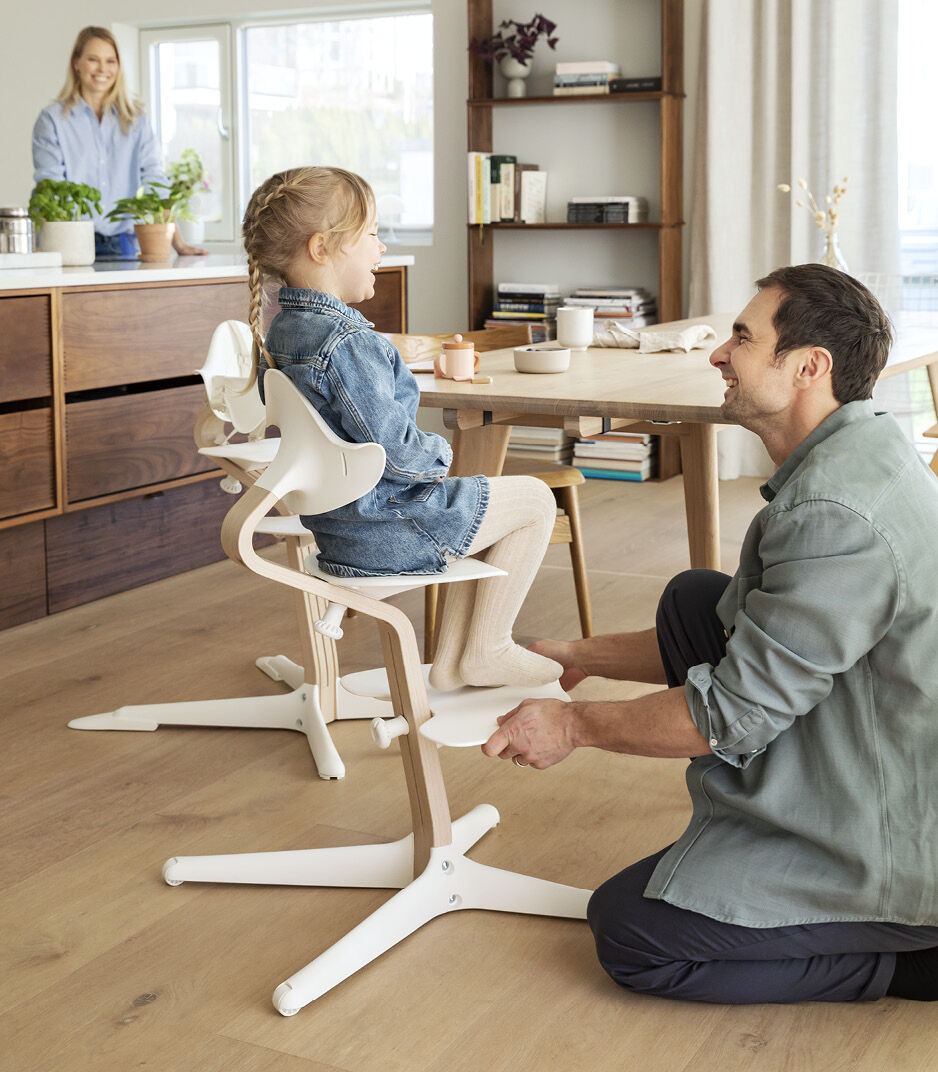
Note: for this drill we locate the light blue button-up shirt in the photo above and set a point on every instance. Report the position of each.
(820, 800)
(73, 145)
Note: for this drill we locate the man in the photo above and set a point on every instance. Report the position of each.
(805, 688)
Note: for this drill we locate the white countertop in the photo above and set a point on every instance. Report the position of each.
(214, 266)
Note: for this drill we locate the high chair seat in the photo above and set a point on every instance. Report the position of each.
(428, 866)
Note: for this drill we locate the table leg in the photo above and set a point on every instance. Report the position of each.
(701, 494)
(479, 450)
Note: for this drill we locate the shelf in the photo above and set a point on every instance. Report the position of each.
(575, 226)
(486, 102)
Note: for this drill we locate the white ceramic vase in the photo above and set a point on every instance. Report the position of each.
(192, 231)
(73, 239)
(516, 72)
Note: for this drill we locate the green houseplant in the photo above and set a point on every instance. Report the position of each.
(153, 210)
(62, 214)
(512, 47)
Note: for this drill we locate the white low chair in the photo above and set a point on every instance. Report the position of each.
(317, 696)
(315, 471)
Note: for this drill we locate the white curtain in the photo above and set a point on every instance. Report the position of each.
(789, 89)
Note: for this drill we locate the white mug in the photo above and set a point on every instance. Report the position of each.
(575, 326)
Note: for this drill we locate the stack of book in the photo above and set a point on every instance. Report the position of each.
(543, 445)
(535, 304)
(635, 305)
(583, 78)
(609, 208)
(649, 84)
(501, 190)
(617, 456)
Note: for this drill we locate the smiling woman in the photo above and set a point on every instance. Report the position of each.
(95, 133)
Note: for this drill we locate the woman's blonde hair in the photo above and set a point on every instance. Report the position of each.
(283, 214)
(125, 107)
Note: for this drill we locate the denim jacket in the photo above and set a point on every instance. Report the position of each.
(416, 515)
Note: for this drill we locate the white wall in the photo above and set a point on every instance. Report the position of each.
(33, 59)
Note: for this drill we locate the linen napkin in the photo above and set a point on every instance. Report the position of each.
(650, 342)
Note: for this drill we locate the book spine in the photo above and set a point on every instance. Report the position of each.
(635, 85)
(525, 307)
(580, 91)
(533, 196)
(580, 79)
(609, 474)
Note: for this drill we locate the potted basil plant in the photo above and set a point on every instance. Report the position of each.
(153, 210)
(61, 212)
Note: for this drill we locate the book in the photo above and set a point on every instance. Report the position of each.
(619, 465)
(529, 288)
(503, 186)
(587, 67)
(635, 85)
(524, 433)
(580, 91)
(580, 79)
(504, 314)
(520, 169)
(611, 474)
(533, 196)
(527, 306)
(610, 292)
(480, 185)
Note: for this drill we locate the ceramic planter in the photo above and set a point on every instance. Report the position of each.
(74, 240)
(156, 240)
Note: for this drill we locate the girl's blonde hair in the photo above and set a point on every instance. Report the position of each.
(125, 107)
(283, 214)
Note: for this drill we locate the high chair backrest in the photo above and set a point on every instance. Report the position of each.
(314, 470)
(226, 372)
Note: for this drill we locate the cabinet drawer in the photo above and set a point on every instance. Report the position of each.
(108, 549)
(22, 574)
(26, 461)
(130, 441)
(25, 347)
(112, 337)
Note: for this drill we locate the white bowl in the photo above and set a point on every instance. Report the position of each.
(531, 359)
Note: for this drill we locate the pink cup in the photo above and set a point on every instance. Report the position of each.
(458, 360)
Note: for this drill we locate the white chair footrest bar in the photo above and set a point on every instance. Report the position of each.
(284, 525)
(256, 454)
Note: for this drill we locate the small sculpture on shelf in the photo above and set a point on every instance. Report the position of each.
(825, 219)
(512, 46)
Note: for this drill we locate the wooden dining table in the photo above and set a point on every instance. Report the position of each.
(608, 389)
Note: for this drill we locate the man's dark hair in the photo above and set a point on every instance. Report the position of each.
(823, 306)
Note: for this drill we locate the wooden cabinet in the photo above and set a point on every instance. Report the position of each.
(102, 487)
(481, 105)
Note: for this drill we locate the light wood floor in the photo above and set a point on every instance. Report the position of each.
(104, 967)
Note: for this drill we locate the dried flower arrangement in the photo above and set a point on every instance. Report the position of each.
(514, 39)
(824, 219)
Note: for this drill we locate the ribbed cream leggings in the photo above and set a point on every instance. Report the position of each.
(476, 646)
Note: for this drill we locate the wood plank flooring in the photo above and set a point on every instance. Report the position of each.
(103, 967)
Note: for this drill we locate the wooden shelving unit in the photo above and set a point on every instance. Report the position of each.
(480, 105)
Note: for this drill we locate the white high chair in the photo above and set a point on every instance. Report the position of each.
(317, 697)
(315, 471)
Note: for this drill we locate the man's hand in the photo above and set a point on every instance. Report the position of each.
(563, 652)
(538, 732)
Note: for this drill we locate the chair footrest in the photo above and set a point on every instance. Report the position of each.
(464, 718)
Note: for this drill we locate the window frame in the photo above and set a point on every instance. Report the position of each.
(234, 92)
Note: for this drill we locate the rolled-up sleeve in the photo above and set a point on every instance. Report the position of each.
(376, 415)
(829, 590)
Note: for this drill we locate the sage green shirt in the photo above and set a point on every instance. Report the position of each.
(820, 801)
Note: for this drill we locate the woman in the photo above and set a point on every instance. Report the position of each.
(95, 133)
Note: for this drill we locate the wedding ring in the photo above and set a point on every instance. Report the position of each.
(517, 761)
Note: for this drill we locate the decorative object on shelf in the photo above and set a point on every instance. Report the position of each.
(188, 174)
(825, 220)
(512, 46)
(154, 218)
(58, 209)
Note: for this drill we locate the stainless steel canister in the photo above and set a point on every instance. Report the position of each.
(16, 231)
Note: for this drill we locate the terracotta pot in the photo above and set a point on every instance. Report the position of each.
(156, 240)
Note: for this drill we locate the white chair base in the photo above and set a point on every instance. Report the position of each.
(449, 882)
(298, 710)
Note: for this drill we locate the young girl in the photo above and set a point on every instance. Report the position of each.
(315, 230)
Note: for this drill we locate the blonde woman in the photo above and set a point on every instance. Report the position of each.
(95, 133)
(315, 230)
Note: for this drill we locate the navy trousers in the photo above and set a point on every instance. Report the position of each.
(651, 947)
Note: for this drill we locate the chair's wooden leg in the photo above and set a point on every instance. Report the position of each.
(570, 502)
(431, 596)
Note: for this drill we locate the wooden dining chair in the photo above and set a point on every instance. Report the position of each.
(563, 480)
(315, 471)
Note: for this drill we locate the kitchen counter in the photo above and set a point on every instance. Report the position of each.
(214, 266)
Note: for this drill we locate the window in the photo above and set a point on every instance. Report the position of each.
(355, 92)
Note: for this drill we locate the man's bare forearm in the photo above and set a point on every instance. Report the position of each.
(656, 725)
(623, 656)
